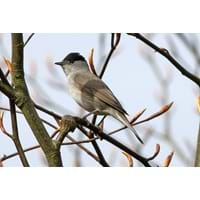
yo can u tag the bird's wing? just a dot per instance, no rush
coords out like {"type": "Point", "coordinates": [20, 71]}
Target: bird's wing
{"type": "Point", "coordinates": [100, 90]}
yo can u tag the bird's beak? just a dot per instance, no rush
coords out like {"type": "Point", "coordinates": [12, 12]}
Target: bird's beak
{"type": "Point", "coordinates": [59, 63]}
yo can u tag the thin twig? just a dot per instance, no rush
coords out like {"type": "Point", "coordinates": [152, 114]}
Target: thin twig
{"type": "Point", "coordinates": [111, 140]}
{"type": "Point", "coordinates": [85, 149]}
{"type": "Point", "coordinates": [167, 55]}
{"type": "Point", "coordinates": [43, 120]}
{"type": "Point", "coordinates": [157, 151]}
{"type": "Point", "coordinates": [94, 143]}
{"type": "Point", "coordinates": [53, 114]}
{"type": "Point", "coordinates": [28, 39]}
{"type": "Point", "coordinates": [164, 109]}
{"type": "Point", "coordinates": [58, 117]}
{"type": "Point", "coordinates": [96, 147]}
{"type": "Point", "coordinates": [113, 47]}
{"type": "Point", "coordinates": [6, 157]}
{"type": "Point", "coordinates": [2, 128]}
{"type": "Point", "coordinates": [3, 77]}
{"type": "Point", "coordinates": [15, 136]}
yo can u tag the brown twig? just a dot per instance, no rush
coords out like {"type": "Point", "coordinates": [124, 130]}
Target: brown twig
{"type": "Point", "coordinates": [15, 136]}
{"type": "Point", "coordinates": [28, 39]}
{"type": "Point", "coordinates": [129, 158]}
{"type": "Point", "coordinates": [67, 124]}
{"type": "Point", "coordinates": [164, 109]}
{"type": "Point", "coordinates": [53, 114]}
{"type": "Point", "coordinates": [157, 151]}
{"type": "Point", "coordinates": [6, 157]}
{"type": "Point", "coordinates": [85, 150]}
{"type": "Point", "coordinates": [113, 47]}
{"type": "Point", "coordinates": [166, 54]}
{"type": "Point", "coordinates": [137, 116]}
{"type": "Point", "coordinates": [111, 140]}
{"type": "Point", "coordinates": [91, 62]}
{"type": "Point", "coordinates": [58, 117]}
{"type": "Point", "coordinates": [25, 103]}
{"type": "Point", "coordinates": [95, 145]}
{"type": "Point", "coordinates": [168, 159]}
{"type": "Point", "coordinates": [43, 120]}
{"type": "Point", "coordinates": [2, 128]}
{"type": "Point", "coordinates": [3, 77]}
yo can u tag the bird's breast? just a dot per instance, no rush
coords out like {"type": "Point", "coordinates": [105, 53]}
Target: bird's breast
{"type": "Point", "coordinates": [75, 89]}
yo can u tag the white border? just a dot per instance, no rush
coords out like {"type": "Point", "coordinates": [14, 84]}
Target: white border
{"type": "Point", "coordinates": [99, 16]}
{"type": "Point", "coordinates": [98, 183]}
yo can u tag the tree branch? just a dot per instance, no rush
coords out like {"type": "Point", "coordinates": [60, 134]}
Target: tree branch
{"type": "Point", "coordinates": [111, 140]}
{"type": "Point", "coordinates": [24, 102]}
{"type": "Point", "coordinates": [3, 77]}
{"type": "Point", "coordinates": [95, 145]}
{"type": "Point", "coordinates": [28, 39]}
{"type": "Point", "coordinates": [113, 47]}
{"type": "Point", "coordinates": [15, 136]}
{"type": "Point", "coordinates": [7, 90]}
{"type": "Point", "coordinates": [166, 54]}
{"type": "Point", "coordinates": [73, 141]}
{"type": "Point", "coordinates": [102, 160]}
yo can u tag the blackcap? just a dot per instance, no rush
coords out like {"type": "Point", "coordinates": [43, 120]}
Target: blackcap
{"type": "Point", "coordinates": [90, 92]}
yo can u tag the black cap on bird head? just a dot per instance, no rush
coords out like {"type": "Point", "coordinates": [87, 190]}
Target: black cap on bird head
{"type": "Point", "coordinates": [71, 58]}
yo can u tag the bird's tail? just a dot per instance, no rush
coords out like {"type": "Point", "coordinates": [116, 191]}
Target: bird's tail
{"type": "Point", "coordinates": [125, 121]}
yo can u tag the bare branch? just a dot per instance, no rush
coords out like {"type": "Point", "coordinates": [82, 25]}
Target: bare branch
{"type": "Point", "coordinates": [164, 109]}
{"type": "Point", "coordinates": [24, 102]}
{"type": "Point", "coordinates": [167, 55]}
{"type": "Point", "coordinates": [137, 116]}
{"type": "Point", "coordinates": [28, 39]}
{"type": "Point", "coordinates": [129, 158]}
{"type": "Point", "coordinates": [113, 47]}
{"type": "Point", "coordinates": [111, 140]}
{"type": "Point", "coordinates": [15, 136]}
{"type": "Point", "coordinates": [157, 151]}
{"type": "Point", "coordinates": [91, 62]}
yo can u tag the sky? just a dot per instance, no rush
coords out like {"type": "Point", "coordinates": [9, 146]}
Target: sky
{"type": "Point", "coordinates": [129, 76]}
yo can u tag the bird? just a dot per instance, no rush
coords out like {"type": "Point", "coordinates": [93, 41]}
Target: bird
{"type": "Point", "coordinates": [90, 92]}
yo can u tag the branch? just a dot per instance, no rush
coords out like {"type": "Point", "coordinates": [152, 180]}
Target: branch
{"type": "Point", "coordinates": [166, 54]}
{"type": "Point", "coordinates": [3, 77]}
{"type": "Point", "coordinates": [95, 145]}
{"type": "Point", "coordinates": [164, 109]}
{"type": "Point", "coordinates": [31, 35]}
{"type": "Point", "coordinates": [53, 114]}
{"type": "Point", "coordinates": [102, 160]}
{"type": "Point", "coordinates": [111, 140]}
{"type": "Point", "coordinates": [24, 102]}
{"type": "Point", "coordinates": [67, 125]}
{"type": "Point", "coordinates": [78, 143]}
{"type": "Point", "coordinates": [15, 136]}
{"type": "Point", "coordinates": [7, 90]}
{"type": "Point", "coordinates": [43, 120]}
{"type": "Point", "coordinates": [113, 47]}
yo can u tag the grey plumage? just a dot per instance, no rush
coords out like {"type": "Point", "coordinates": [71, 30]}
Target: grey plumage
{"type": "Point", "coordinates": [90, 92]}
